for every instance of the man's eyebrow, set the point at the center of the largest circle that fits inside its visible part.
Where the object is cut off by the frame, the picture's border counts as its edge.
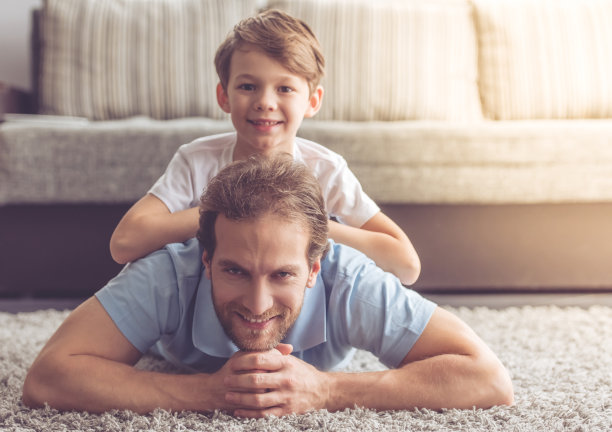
(289, 268)
(225, 262)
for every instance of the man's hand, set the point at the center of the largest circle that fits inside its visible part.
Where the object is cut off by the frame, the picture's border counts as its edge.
(273, 383)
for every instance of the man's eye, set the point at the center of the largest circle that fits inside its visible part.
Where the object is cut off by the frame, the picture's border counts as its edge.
(234, 271)
(246, 87)
(284, 275)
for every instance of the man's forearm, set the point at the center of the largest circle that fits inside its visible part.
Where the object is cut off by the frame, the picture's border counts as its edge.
(444, 381)
(87, 383)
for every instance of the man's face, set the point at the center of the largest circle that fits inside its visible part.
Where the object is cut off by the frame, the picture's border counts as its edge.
(267, 103)
(259, 273)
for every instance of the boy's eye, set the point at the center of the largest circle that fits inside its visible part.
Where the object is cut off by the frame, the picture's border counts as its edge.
(285, 89)
(247, 87)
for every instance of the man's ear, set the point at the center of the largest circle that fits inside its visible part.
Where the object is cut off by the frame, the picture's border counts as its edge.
(206, 263)
(314, 271)
(314, 103)
(223, 99)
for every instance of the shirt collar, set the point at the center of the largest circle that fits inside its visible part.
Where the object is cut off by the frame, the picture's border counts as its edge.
(209, 337)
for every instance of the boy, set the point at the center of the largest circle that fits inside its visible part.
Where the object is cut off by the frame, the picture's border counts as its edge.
(269, 68)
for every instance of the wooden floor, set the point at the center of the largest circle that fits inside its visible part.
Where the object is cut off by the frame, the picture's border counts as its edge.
(495, 301)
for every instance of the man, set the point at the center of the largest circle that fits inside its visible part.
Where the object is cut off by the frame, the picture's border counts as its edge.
(262, 283)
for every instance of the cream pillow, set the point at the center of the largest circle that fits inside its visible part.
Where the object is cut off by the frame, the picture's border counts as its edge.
(106, 59)
(394, 60)
(545, 58)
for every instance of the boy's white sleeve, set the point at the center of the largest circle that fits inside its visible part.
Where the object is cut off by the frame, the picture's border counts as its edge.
(175, 187)
(345, 198)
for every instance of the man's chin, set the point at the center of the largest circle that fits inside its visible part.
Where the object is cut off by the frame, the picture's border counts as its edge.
(251, 345)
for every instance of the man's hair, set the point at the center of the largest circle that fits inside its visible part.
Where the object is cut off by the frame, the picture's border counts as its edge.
(257, 186)
(284, 38)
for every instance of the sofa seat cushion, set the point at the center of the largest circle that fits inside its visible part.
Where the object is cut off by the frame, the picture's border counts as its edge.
(547, 161)
(117, 161)
(91, 162)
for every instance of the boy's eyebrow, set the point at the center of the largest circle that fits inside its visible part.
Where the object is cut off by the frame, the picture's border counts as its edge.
(248, 76)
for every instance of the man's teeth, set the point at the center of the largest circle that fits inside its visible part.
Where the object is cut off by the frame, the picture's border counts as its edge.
(253, 320)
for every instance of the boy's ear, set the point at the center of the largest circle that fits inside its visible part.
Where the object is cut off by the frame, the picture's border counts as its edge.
(314, 103)
(223, 99)
(206, 263)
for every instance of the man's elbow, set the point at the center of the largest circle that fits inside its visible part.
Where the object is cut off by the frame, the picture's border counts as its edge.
(499, 386)
(33, 389)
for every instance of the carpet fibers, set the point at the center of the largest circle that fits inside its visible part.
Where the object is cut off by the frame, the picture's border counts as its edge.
(560, 360)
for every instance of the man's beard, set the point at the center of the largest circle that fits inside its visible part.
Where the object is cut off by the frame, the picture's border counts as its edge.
(251, 339)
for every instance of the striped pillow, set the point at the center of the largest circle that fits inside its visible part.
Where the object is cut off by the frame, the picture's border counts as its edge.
(545, 59)
(394, 60)
(106, 59)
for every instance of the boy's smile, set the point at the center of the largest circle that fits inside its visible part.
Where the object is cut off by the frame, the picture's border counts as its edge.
(266, 101)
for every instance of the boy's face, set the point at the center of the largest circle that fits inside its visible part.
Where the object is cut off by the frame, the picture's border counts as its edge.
(259, 272)
(267, 103)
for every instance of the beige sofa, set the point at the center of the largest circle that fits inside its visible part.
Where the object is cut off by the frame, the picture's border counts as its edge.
(484, 127)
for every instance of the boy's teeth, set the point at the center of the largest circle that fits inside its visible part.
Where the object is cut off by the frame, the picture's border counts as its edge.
(265, 123)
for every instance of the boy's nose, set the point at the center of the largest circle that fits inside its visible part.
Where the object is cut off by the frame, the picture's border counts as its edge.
(265, 102)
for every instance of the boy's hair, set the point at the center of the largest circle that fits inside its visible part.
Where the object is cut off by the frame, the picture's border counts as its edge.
(284, 38)
(253, 187)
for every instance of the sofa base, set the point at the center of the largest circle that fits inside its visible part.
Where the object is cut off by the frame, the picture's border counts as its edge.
(510, 248)
(56, 250)
(62, 250)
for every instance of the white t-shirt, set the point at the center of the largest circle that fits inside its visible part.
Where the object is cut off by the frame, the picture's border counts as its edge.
(196, 163)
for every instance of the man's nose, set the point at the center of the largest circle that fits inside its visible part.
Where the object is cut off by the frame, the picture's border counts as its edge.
(266, 100)
(259, 299)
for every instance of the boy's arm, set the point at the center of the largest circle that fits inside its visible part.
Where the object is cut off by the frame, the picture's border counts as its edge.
(448, 367)
(87, 365)
(383, 241)
(148, 226)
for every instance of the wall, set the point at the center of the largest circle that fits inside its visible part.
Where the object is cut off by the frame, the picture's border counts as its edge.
(15, 26)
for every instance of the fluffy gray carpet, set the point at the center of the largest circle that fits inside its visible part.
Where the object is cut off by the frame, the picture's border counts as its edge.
(560, 360)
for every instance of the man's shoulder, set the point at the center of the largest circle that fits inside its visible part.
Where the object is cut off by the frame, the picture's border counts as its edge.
(343, 261)
(174, 261)
(185, 258)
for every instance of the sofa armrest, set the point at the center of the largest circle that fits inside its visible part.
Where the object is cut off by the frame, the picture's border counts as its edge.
(13, 100)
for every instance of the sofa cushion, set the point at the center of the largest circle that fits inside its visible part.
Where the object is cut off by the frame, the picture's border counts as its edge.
(545, 59)
(539, 161)
(394, 60)
(518, 162)
(105, 59)
(91, 162)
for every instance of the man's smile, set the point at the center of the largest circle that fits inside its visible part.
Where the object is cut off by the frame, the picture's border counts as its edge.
(256, 323)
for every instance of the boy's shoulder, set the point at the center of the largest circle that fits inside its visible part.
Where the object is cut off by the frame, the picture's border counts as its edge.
(313, 153)
(207, 144)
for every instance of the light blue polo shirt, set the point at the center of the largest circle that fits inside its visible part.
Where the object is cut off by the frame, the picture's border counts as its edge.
(164, 302)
